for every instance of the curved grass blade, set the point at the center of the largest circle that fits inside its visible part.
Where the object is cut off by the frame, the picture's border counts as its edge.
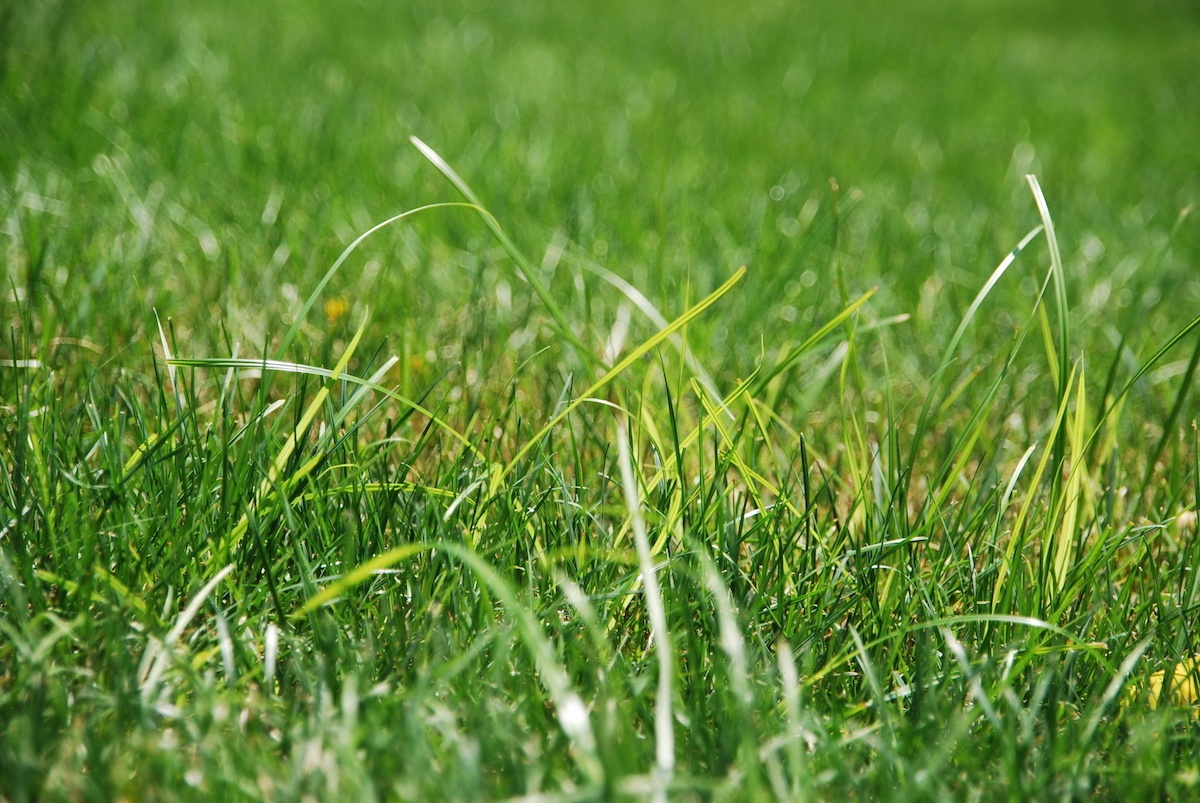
(658, 319)
(228, 544)
(1095, 650)
(1017, 536)
(294, 329)
(326, 373)
(561, 324)
(1060, 283)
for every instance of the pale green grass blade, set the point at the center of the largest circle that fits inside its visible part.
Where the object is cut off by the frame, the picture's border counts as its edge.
(106, 577)
(1112, 691)
(660, 634)
(658, 319)
(796, 732)
(1074, 642)
(155, 660)
(948, 355)
(981, 296)
(166, 347)
(812, 340)
(956, 648)
(733, 643)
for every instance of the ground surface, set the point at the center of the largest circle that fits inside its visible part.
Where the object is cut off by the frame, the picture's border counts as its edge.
(618, 520)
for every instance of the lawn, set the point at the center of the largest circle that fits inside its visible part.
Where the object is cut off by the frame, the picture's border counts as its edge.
(475, 400)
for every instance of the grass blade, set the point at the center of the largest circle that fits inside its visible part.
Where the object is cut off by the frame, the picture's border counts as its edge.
(660, 634)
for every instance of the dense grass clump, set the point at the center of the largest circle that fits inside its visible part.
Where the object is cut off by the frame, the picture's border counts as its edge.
(464, 401)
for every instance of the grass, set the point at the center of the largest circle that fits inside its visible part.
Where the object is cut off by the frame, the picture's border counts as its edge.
(533, 492)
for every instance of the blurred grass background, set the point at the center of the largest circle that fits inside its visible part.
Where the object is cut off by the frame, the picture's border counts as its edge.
(236, 150)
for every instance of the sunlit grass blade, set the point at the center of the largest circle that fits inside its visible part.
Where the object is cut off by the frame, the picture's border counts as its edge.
(658, 319)
(734, 645)
(612, 373)
(228, 545)
(950, 352)
(1072, 641)
(1062, 549)
(155, 660)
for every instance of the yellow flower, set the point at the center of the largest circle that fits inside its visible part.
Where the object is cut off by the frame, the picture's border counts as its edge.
(1185, 688)
(335, 309)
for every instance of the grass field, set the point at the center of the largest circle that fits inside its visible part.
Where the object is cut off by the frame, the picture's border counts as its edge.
(535, 493)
